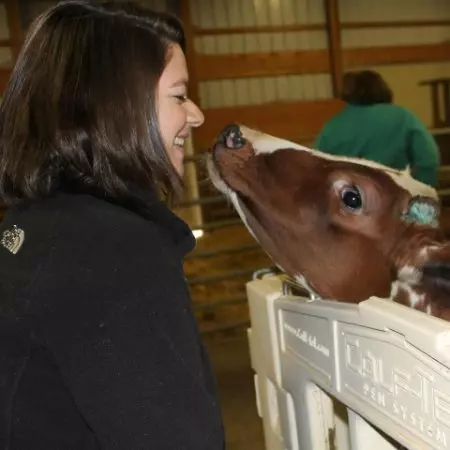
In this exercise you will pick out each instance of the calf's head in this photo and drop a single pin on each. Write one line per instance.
(348, 227)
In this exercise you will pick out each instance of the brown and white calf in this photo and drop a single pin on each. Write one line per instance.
(345, 228)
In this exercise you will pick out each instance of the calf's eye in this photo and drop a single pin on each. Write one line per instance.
(351, 198)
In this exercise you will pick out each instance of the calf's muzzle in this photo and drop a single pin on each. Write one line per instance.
(231, 137)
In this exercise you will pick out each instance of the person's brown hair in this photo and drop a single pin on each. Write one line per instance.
(79, 111)
(365, 87)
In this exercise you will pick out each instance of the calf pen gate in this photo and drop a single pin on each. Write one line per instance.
(227, 255)
(336, 376)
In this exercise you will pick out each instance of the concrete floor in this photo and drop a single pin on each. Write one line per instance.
(231, 362)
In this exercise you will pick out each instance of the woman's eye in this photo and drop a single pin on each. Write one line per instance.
(181, 98)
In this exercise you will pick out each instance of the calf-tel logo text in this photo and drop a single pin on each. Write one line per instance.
(410, 394)
(308, 339)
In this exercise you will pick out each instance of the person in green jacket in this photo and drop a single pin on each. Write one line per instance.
(370, 126)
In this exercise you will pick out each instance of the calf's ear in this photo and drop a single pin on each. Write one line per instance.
(423, 211)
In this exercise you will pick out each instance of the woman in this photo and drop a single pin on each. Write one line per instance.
(371, 127)
(98, 344)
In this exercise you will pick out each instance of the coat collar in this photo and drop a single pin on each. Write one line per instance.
(177, 228)
(152, 208)
(148, 205)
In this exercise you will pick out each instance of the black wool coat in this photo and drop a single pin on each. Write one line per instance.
(99, 348)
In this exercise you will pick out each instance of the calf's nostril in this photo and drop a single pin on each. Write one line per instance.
(229, 130)
(232, 137)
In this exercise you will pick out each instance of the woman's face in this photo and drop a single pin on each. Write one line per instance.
(176, 113)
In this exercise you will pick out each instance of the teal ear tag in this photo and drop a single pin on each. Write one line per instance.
(422, 211)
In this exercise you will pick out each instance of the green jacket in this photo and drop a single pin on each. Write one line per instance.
(385, 133)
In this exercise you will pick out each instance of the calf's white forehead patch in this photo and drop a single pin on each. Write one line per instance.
(265, 143)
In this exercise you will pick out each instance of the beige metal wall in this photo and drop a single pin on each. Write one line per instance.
(403, 78)
(215, 14)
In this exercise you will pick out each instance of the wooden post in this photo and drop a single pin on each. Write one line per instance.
(334, 44)
(186, 18)
(194, 214)
(440, 101)
(15, 26)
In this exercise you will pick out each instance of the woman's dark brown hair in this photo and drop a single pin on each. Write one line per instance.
(365, 87)
(79, 112)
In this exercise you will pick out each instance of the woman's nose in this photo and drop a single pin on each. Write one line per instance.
(195, 115)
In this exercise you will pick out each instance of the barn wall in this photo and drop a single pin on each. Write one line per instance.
(214, 17)
(391, 10)
(221, 15)
(252, 57)
(403, 78)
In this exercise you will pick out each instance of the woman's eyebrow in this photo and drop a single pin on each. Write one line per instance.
(181, 82)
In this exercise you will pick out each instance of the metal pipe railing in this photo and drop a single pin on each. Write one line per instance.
(221, 302)
(223, 251)
(225, 276)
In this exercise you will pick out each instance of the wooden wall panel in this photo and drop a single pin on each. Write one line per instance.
(393, 10)
(259, 38)
(296, 121)
(389, 55)
(211, 67)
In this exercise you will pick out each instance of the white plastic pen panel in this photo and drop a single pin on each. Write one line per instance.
(337, 376)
